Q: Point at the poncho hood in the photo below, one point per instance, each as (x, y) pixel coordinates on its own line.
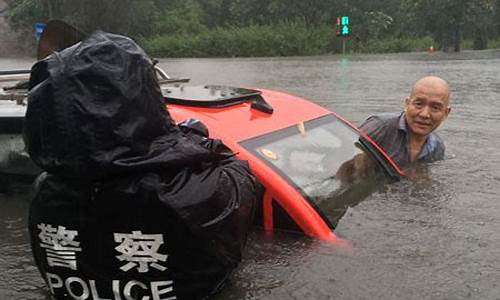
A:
(96, 109)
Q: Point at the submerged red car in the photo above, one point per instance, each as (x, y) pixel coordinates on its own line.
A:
(311, 162)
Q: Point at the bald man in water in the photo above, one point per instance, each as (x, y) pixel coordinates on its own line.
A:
(409, 136)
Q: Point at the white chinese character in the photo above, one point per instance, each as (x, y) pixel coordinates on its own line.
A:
(140, 250)
(60, 245)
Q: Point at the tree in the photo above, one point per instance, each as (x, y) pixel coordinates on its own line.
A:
(179, 17)
(496, 17)
(480, 21)
(444, 20)
(447, 21)
(127, 17)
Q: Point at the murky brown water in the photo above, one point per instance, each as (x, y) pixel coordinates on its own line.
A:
(433, 238)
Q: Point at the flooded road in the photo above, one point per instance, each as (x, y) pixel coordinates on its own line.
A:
(435, 237)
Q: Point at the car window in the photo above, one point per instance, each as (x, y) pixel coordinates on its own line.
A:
(324, 159)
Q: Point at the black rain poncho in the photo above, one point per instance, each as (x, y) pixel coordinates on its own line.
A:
(130, 206)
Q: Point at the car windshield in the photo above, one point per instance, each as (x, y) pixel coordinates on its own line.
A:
(326, 160)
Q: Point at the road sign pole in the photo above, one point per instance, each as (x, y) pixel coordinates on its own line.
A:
(343, 30)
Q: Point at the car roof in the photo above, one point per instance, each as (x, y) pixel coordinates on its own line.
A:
(240, 121)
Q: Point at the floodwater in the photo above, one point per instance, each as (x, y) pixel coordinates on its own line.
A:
(434, 237)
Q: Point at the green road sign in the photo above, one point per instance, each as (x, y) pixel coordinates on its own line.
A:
(344, 26)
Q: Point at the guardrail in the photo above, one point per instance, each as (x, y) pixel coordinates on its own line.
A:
(18, 95)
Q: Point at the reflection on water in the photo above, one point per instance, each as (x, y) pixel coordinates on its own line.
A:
(432, 237)
(20, 278)
(272, 262)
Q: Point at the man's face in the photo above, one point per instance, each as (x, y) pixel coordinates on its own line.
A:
(426, 108)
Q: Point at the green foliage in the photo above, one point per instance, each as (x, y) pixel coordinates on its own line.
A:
(370, 24)
(271, 27)
(180, 18)
(481, 22)
(494, 44)
(443, 19)
(496, 17)
(284, 39)
(124, 16)
(24, 11)
(394, 45)
(450, 20)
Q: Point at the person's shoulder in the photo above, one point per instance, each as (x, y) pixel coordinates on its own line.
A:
(437, 140)
(437, 147)
(382, 119)
(380, 126)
